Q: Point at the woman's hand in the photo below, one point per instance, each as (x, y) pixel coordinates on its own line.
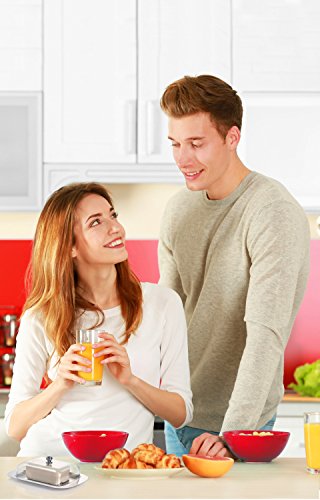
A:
(116, 358)
(70, 364)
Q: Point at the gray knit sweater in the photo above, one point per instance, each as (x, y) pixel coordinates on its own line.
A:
(240, 265)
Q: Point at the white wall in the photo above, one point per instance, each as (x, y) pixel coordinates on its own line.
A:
(140, 208)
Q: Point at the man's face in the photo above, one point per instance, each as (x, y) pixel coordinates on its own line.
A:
(199, 151)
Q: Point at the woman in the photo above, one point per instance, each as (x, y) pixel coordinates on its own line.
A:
(80, 278)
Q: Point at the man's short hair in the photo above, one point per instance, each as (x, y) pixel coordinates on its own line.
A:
(204, 93)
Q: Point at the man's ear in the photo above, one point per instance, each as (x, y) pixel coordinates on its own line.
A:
(74, 252)
(233, 137)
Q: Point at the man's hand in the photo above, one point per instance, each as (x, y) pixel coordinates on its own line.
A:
(209, 445)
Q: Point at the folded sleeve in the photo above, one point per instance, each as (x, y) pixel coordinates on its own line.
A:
(169, 274)
(30, 363)
(278, 244)
(175, 374)
(258, 366)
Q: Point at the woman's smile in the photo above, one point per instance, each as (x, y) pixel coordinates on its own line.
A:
(117, 243)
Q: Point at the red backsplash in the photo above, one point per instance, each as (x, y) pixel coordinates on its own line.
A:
(303, 347)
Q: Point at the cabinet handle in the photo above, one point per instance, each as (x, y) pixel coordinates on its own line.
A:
(152, 132)
(131, 112)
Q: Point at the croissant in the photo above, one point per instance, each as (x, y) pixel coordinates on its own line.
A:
(148, 447)
(144, 456)
(114, 458)
(132, 463)
(168, 462)
(147, 457)
(148, 453)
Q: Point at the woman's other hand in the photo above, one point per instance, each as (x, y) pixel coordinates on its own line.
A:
(116, 358)
(70, 364)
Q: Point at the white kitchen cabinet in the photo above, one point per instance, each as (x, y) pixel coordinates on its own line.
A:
(20, 104)
(8, 447)
(176, 38)
(57, 175)
(275, 54)
(280, 140)
(276, 45)
(20, 45)
(20, 150)
(89, 81)
(290, 418)
(105, 61)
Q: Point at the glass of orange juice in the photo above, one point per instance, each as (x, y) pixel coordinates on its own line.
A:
(87, 338)
(312, 441)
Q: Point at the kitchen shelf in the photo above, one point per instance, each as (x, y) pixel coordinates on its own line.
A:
(296, 398)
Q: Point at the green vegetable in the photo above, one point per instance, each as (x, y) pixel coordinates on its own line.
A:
(308, 379)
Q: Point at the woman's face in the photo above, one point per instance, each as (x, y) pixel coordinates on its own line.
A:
(99, 237)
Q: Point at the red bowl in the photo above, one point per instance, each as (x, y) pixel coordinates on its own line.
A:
(251, 448)
(92, 446)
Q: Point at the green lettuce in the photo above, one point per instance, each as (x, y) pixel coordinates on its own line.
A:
(308, 379)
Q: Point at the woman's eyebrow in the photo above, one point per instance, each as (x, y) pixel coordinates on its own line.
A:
(99, 214)
(94, 215)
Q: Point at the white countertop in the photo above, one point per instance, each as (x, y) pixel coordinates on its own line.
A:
(282, 478)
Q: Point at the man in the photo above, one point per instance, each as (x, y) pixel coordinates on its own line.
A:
(235, 246)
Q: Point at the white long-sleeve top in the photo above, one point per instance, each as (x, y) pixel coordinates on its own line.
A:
(158, 355)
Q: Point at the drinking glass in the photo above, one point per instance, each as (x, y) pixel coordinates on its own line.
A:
(312, 441)
(87, 338)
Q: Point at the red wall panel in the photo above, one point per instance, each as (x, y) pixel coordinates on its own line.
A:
(15, 255)
(14, 259)
(303, 346)
(304, 342)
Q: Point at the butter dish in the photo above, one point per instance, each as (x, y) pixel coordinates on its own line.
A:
(47, 471)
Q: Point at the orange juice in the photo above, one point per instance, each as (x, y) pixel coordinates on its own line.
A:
(312, 444)
(95, 376)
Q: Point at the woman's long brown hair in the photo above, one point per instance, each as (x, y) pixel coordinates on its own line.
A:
(52, 280)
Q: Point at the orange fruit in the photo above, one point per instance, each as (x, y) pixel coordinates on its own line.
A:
(207, 466)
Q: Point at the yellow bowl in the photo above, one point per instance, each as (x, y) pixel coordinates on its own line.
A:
(207, 466)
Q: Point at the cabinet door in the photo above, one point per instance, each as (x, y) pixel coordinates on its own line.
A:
(89, 81)
(8, 447)
(280, 140)
(276, 45)
(20, 45)
(176, 38)
(20, 150)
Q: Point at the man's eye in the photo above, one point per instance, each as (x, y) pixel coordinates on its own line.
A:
(114, 215)
(174, 145)
(195, 145)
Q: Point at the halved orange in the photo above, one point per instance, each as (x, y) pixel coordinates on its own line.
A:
(205, 466)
